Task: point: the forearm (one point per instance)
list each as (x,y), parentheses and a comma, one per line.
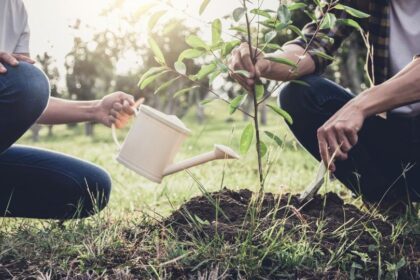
(402,89)
(282,72)
(60,111)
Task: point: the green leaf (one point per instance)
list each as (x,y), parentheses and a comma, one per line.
(156,51)
(166,85)
(190,54)
(180,67)
(229,46)
(214,75)
(281,60)
(274,137)
(151,79)
(203,6)
(352,11)
(246,138)
(273,47)
(205,71)
(149,73)
(296,6)
(329,21)
(263,149)
(236,103)
(282,113)
(349,22)
(239,29)
(184,91)
(260,13)
(207,101)
(311,16)
(238,13)
(243,73)
(283,14)
(269,36)
(216,31)
(196,42)
(300,82)
(154,19)
(259,90)
(323,55)
(143,9)
(298,32)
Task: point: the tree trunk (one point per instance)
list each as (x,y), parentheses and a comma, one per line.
(200,113)
(263,113)
(89,129)
(50,130)
(35,132)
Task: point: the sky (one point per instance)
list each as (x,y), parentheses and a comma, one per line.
(50,21)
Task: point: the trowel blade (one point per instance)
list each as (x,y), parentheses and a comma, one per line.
(315,185)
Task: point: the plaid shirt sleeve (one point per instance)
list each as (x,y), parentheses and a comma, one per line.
(325,41)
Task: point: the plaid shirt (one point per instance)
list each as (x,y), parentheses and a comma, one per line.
(377,26)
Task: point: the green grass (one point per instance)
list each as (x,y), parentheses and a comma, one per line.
(120,242)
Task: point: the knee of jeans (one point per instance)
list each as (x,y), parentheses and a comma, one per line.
(98,191)
(292,96)
(32,90)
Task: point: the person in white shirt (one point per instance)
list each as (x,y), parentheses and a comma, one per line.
(37,183)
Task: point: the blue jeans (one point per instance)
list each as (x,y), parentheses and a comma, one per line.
(36,183)
(383,163)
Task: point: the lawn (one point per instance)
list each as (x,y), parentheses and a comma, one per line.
(136,237)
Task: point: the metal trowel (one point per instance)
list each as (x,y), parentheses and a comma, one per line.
(315,185)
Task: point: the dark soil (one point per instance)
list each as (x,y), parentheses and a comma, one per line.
(341,222)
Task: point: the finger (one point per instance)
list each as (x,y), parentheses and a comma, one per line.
(9,59)
(117,106)
(124,96)
(334,148)
(242,81)
(323,146)
(127,108)
(22,57)
(246,60)
(114,113)
(343,141)
(139,102)
(352,137)
(2,69)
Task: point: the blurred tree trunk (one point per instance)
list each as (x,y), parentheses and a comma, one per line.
(50,130)
(200,113)
(36,128)
(352,70)
(263,113)
(89,129)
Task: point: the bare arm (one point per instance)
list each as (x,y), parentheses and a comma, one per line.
(113,108)
(340,133)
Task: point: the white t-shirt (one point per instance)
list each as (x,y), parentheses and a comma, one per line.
(404,42)
(14,28)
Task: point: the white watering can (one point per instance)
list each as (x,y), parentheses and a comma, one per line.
(153,141)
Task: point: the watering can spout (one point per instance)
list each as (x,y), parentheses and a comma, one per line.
(219,152)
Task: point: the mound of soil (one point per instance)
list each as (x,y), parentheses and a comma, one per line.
(226,215)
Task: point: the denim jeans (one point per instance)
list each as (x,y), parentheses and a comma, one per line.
(36,183)
(382,165)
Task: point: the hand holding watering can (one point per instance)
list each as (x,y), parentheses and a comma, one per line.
(153,141)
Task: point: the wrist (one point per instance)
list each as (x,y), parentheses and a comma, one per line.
(93,110)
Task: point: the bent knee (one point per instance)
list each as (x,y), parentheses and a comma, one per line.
(30,90)
(97,191)
(294,95)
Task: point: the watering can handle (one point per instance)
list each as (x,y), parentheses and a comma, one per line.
(114,128)
(115,137)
